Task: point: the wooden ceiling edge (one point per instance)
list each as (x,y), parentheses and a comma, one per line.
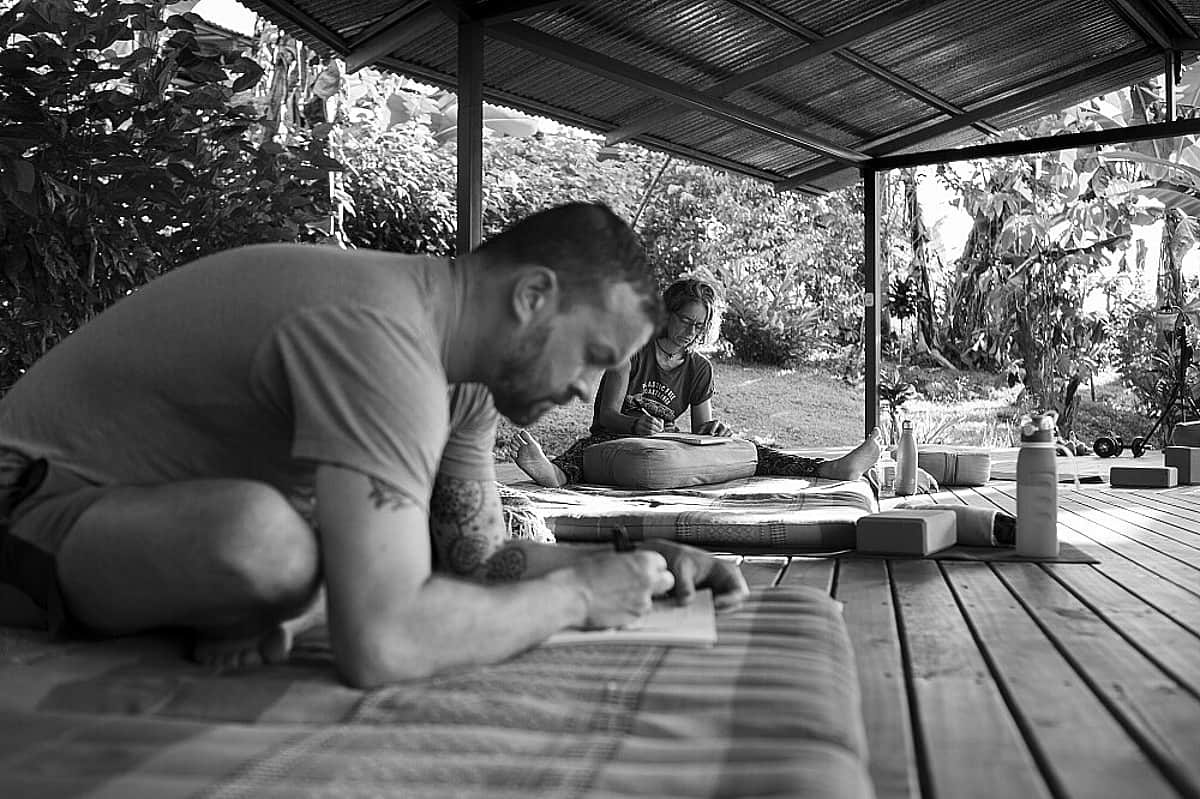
(930,130)
(815,45)
(641,80)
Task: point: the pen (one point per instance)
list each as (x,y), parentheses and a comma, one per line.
(620,540)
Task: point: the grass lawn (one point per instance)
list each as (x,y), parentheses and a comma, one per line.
(801,409)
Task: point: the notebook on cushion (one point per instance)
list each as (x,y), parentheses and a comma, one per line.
(691,438)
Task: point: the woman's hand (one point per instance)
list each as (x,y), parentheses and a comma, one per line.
(715,427)
(646,425)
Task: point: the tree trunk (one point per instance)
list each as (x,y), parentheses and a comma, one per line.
(919,240)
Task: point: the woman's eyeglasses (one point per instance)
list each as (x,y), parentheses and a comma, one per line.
(691,324)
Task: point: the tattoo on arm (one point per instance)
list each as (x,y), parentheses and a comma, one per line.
(467,524)
(385,495)
(507,565)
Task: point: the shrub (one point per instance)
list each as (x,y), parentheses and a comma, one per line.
(124,151)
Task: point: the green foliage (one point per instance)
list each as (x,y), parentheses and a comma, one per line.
(125,150)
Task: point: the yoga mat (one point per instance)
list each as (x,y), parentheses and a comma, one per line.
(1092,469)
(1067,553)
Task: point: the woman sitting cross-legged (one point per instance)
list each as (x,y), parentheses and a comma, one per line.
(663,380)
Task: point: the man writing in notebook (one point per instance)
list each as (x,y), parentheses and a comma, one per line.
(213,449)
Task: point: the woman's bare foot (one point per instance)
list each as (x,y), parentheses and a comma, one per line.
(854,463)
(534,462)
(243,647)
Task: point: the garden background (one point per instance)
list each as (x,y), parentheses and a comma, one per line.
(136,137)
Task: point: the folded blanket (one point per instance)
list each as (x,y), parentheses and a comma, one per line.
(754,514)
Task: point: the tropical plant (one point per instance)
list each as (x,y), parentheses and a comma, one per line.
(124,151)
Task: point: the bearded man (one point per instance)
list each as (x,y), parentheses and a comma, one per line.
(218,446)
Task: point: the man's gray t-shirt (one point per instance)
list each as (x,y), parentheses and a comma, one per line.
(259,363)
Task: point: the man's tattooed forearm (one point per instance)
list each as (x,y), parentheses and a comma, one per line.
(467,553)
(507,565)
(386,495)
(456,501)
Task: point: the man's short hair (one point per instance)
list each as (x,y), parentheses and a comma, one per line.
(588,247)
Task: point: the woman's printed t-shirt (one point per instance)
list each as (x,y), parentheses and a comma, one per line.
(664,394)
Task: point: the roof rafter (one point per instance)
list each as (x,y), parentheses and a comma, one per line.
(406,29)
(306,23)
(628,75)
(448,81)
(1041,144)
(870,67)
(916,134)
(1143,22)
(488,11)
(817,46)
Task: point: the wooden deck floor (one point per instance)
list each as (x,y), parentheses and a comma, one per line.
(1022,680)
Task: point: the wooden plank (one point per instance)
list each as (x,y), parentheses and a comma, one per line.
(871,619)
(1106,526)
(1156,527)
(967,739)
(1050,701)
(814,572)
(762,571)
(1174,648)
(1158,711)
(1177,516)
(1124,564)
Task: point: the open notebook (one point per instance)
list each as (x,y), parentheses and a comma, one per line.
(693,624)
(692,438)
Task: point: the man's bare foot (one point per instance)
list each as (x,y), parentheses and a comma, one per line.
(854,463)
(239,648)
(534,462)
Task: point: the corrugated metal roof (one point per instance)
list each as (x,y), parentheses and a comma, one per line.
(769,88)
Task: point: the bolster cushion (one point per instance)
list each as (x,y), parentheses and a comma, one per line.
(667,463)
(956,467)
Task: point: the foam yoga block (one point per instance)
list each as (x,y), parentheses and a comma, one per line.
(655,462)
(1143,476)
(1186,461)
(906,531)
(956,467)
(1186,434)
(979,527)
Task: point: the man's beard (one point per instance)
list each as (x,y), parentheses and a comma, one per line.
(512,392)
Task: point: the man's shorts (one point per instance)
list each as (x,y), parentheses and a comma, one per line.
(39,504)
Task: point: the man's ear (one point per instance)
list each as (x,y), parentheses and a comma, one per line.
(535,293)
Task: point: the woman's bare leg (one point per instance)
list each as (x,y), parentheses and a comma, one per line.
(854,463)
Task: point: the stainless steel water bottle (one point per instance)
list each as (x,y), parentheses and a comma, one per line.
(906,462)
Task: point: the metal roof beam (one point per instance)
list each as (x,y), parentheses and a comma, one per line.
(521,103)
(914,135)
(1143,22)
(306,23)
(818,46)
(490,11)
(392,38)
(633,77)
(1042,144)
(870,67)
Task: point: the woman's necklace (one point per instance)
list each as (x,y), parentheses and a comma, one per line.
(666,358)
